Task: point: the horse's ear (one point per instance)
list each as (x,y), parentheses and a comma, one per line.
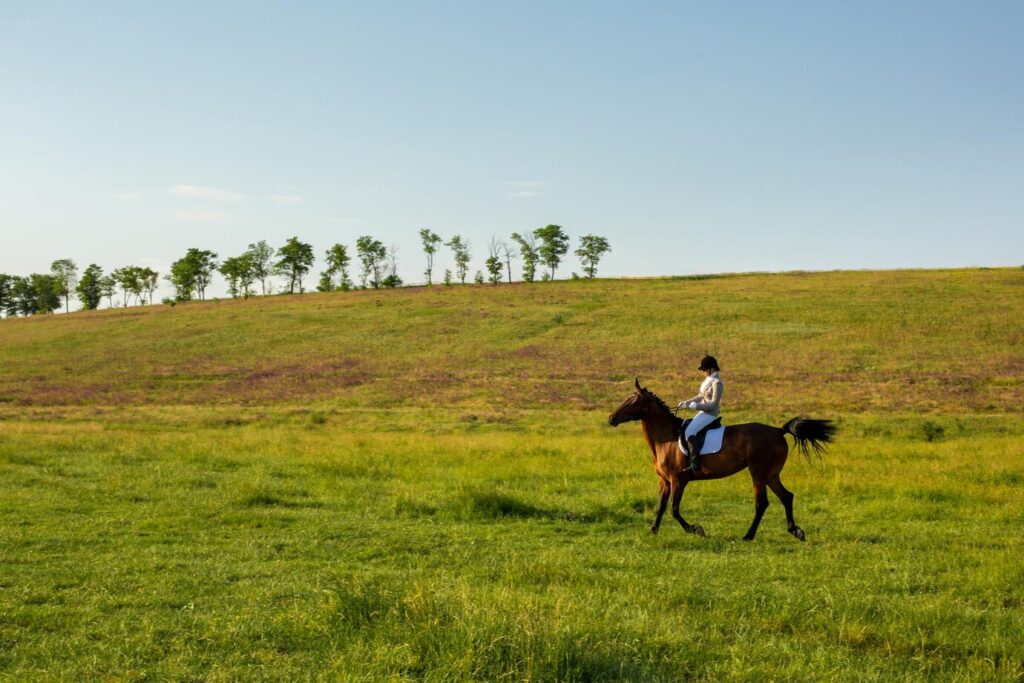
(636,381)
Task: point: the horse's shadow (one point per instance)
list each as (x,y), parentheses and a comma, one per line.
(492,505)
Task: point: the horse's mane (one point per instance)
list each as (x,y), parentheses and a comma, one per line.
(664,406)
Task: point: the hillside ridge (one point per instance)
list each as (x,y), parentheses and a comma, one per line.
(929,340)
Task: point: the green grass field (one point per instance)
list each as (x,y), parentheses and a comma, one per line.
(421,484)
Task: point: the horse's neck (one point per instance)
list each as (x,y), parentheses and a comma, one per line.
(660,429)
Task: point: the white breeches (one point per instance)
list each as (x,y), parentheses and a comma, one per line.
(700,421)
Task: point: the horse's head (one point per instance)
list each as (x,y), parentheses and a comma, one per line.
(633,408)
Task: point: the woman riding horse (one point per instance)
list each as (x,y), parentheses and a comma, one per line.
(707,403)
(762,449)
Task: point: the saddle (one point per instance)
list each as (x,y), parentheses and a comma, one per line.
(699,436)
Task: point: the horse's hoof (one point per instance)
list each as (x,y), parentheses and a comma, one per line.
(799,533)
(654,529)
(748,537)
(698,530)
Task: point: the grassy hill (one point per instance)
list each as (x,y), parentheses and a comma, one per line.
(421,485)
(933,341)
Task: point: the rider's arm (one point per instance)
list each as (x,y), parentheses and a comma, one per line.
(716,398)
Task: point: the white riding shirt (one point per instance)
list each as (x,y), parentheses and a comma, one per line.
(708,403)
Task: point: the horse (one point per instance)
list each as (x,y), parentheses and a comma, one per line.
(761,448)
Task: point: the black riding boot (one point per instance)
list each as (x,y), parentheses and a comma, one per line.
(691,445)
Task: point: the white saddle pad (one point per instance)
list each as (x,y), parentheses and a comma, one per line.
(712,441)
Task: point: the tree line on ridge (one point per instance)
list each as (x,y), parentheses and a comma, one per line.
(541,252)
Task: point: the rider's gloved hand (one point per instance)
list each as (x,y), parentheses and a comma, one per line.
(693,405)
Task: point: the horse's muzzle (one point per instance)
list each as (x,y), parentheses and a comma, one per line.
(613,422)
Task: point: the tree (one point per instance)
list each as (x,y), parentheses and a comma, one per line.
(506,254)
(460,248)
(22,299)
(237,271)
(205,263)
(295,259)
(391,280)
(47,292)
(430,241)
(90,289)
(229,268)
(16,287)
(261,255)
(192,273)
(340,260)
(371,255)
(149,279)
(590,251)
(494,268)
(121,276)
(528,251)
(130,279)
(108,287)
(5,292)
(493,262)
(138,284)
(554,243)
(65,273)
(337,267)
(38,293)
(182,278)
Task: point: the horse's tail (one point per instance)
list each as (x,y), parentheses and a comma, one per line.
(810,434)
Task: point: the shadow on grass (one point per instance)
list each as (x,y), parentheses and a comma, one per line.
(488,505)
(264,498)
(699,276)
(493,505)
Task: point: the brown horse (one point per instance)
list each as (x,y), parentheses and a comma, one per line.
(761,448)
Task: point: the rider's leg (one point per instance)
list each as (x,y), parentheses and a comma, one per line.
(691,446)
(700,420)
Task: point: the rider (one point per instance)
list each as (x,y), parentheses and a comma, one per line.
(707,402)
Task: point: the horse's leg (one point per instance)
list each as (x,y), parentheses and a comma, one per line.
(760,505)
(786,496)
(678,485)
(663,491)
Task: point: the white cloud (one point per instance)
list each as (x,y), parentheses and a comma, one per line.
(200,192)
(128,197)
(523,189)
(523,183)
(287,199)
(201,216)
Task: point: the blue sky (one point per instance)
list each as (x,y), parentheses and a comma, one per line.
(697,137)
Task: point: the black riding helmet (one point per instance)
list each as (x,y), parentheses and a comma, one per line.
(708,363)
